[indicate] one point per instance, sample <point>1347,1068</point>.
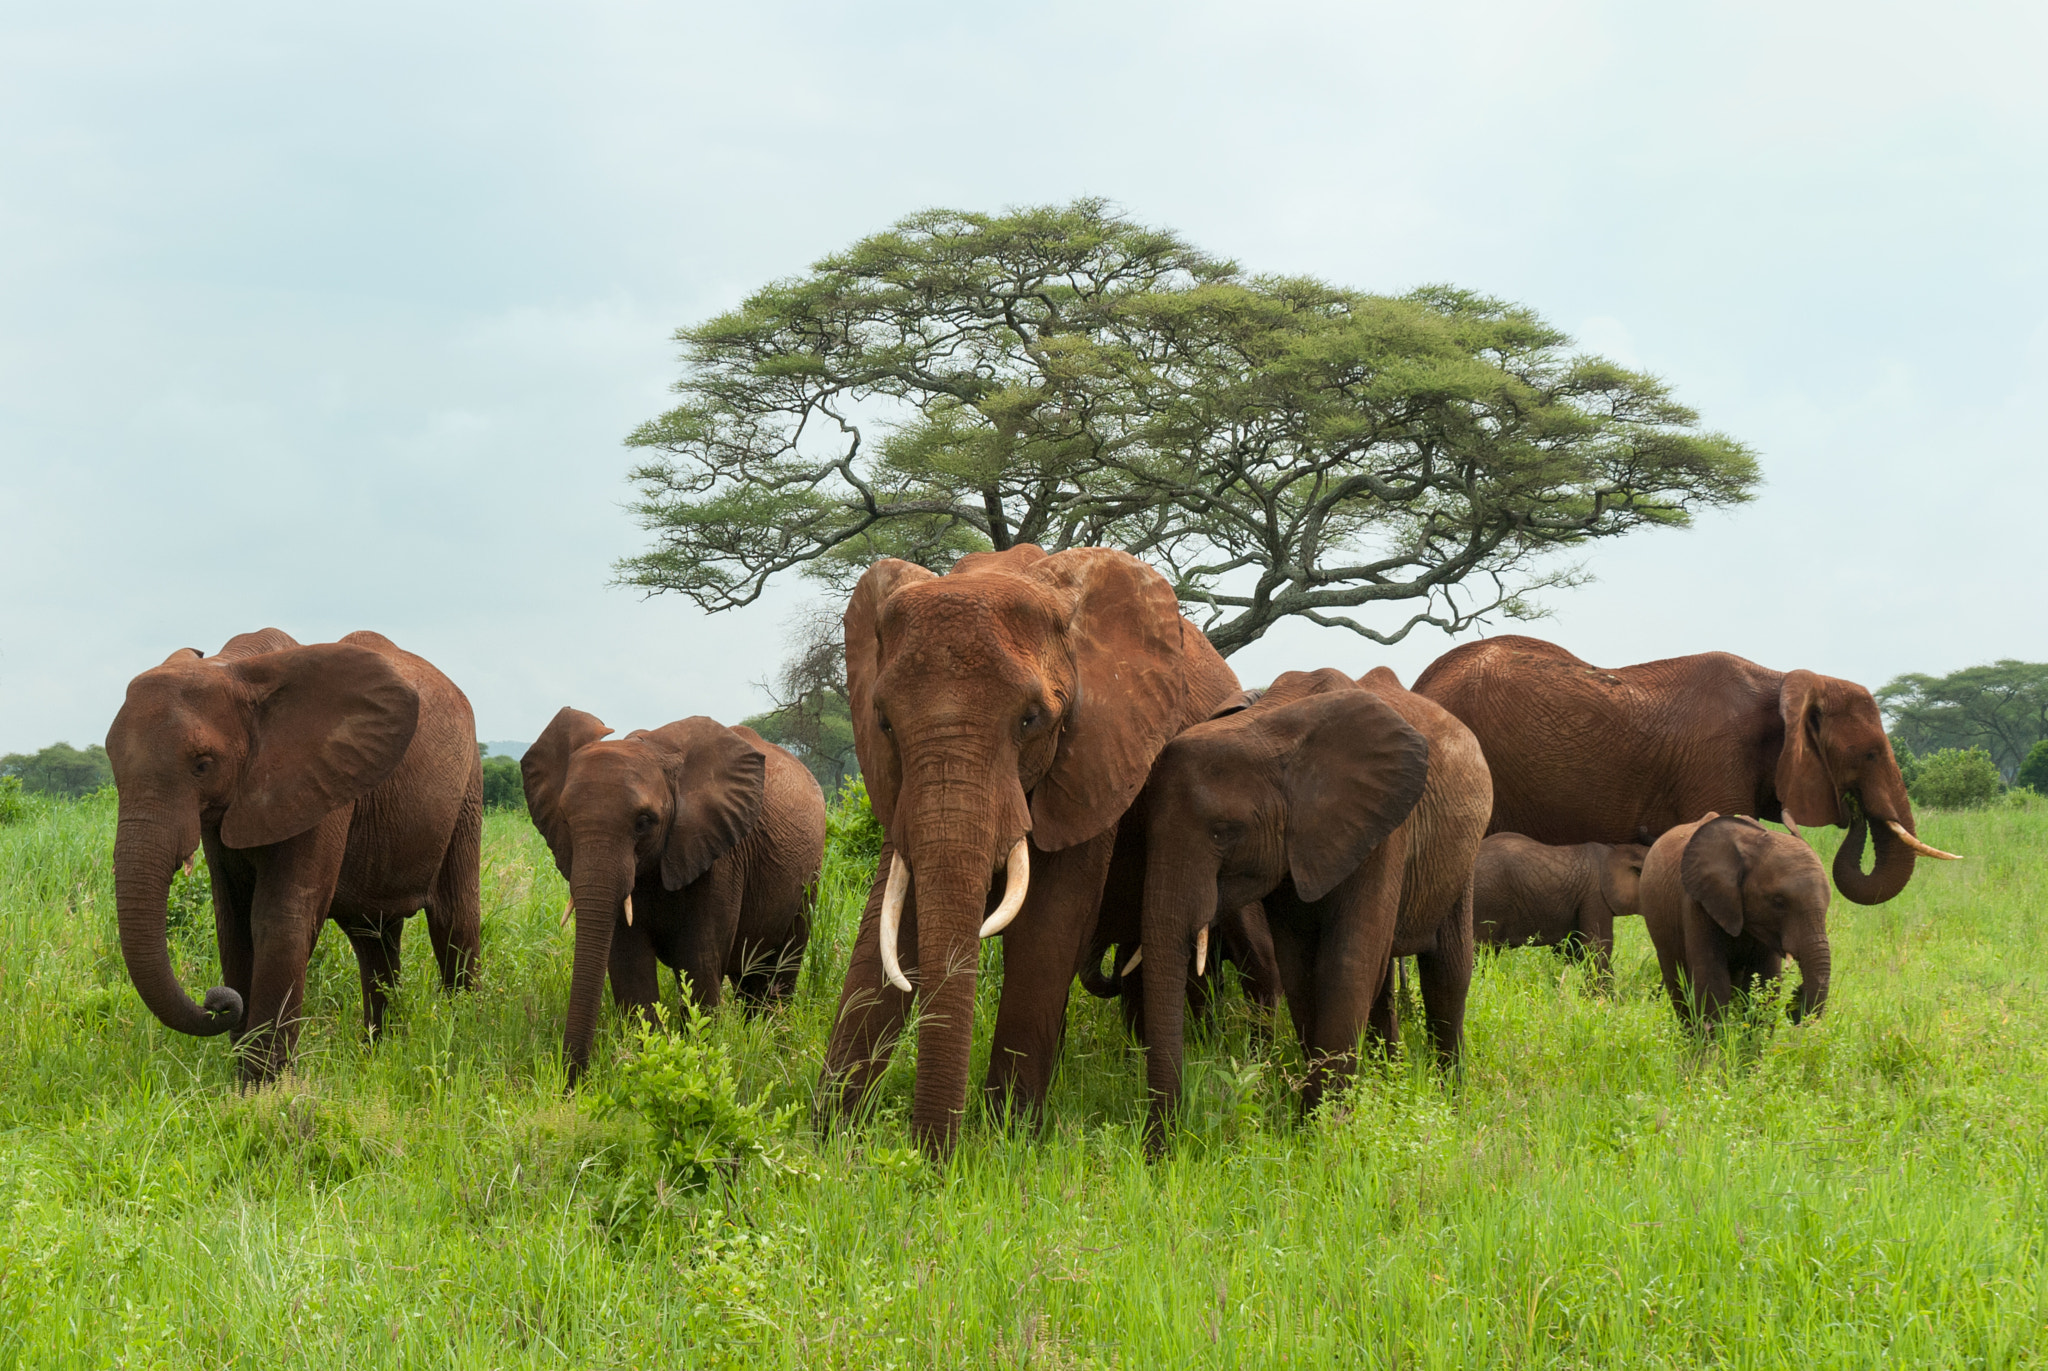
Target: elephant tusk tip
<point>1202,950</point>
<point>1922,848</point>
<point>629,911</point>
<point>568,913</point>
<point>1137,956</point>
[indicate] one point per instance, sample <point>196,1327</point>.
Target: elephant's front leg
<point>293,887</point>
<point>699,929</point>
<point>1042,951</point>
<point>871,1011</point>
<point>1353,968</point>
<point>1446,975</point>
<point>634,972</point>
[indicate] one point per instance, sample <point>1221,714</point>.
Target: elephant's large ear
<point>545,767</point>
<point>719,779</point>
<point>878,764</point>
<point>1711,871</point>
<point>331,724</point>
<point>1805,788</point>
<point>1125,631</point>
<point>1354,771</point>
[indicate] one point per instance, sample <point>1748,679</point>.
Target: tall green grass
<point>1598,1190</point>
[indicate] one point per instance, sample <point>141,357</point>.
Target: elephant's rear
<point>1449,820</point>
<point>783,853</point>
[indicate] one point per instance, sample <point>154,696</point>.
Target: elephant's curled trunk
<point>145,857</point>
<point>1888,874</point>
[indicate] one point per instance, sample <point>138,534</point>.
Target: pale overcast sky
<point>334,317</point>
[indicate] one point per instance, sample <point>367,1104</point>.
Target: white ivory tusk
<point>1137,955</point>
<point>568,911</point>
<point>1790,826</point>
<point>1922,848</point>
<point>1201,949</point>
<point>892,915</point>
<point>1017,881</point>
<point>629,909</point>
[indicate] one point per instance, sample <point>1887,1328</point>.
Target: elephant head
<point>261,742</point>
<point>1836,767</point>
<point>1769,886</point>
<point>1301,785</point>
<point>663,803</point>
<point>1019,694</point>
<point>1621,876</point>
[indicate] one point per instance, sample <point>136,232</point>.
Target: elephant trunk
<point>951,881</point>
<point>1815,964</point>
<point>602,884</point>
<point>148,848</point>
<point>1888,874</point>
<point>1180,897</point>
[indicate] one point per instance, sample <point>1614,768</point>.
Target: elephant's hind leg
<point>377,958</point>
<point>1446,975</point>
<point>455,908</point>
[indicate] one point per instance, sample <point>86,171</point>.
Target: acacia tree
<point>1064,376</point>
<point>2001,708</point>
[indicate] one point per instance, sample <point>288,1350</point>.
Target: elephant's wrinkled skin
<point>1526,893</point>
<point>1581,753</point>
<point>691,845</point>
<point>1726,900</point>
<point>339,780</point>
<point>1353,810</point>
<point>1019,694</point>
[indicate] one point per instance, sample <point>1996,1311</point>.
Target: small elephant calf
<point>1726,900</point>
<point>1526,893</point>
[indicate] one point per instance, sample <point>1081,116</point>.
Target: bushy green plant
<point>852,832</point>
<point>2033,772</point>
<point>13,806</point>
<point>503,788</point>
<point>1957,778</point>
<point>681,1084</point>
<point>1909,765</point>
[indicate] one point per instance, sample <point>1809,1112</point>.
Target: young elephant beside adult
<point>1526,893</point>
<point>1726,900</point>
<point>692,845</point>
<point>339,781</point>
<point>1353,810</point>
<point>1582,753</point>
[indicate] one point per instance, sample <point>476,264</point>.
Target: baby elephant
<point>1726,900</point>
<point>1528,893</point>
<point>691,844</point>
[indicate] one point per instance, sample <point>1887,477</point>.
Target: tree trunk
<point>147,850</point>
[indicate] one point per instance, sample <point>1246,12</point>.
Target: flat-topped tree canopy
<point>1068,377</point>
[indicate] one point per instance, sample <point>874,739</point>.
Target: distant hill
<point>503,749</point>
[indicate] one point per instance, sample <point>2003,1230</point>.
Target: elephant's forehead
<point>989,618</point>
<point>622,761</point>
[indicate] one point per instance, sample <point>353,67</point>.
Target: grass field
<point>1870,1189</point>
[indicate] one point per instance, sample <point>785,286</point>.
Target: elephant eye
<point>643,821</point>
<point>202,765</point>
<point>887,727</point>
<point>1032,718</point>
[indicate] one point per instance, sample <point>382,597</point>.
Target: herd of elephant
<point>1056,756</point>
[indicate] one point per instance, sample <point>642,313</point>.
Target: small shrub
<point>1954,778</point>
<point>13,805</point>
<point>2033,772</point>
<point>682,1086</point>
<point>1909,765</point>
<point>852,833</point>
<point>503,788</point>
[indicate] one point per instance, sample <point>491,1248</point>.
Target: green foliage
<point>2001,708</point>
<point>1595,1189</point>
<point>1064,376</point>
<point>1909,765</point>
<point>2033,772</point>
<point>13,807</point>
<point>853,835</point>
<point>682,1085</point>
<point>1956,778</point>
<point>818,729</point>
<point>60,770</point>
<point>503,788</point>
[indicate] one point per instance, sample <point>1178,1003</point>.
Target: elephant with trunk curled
<point>1006,715</point>
<point>337,781</point>
<point>1583,754</point>
<point>692,845</point>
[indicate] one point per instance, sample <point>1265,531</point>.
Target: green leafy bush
<point>1909,765</point>
<point>13,806</point>
<point>61,770</point>
<point>1957,778</point>
<point>2033,772</point>
<point>853,834</point>
<point>681,1084</point>
<point>503,788</point>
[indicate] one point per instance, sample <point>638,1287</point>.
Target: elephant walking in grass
<point>692,845</point>
<point>1526,893</point>
<point>1353,810</point>
<point>336,781</point>
<point>1581,753</point>
<point>1726,900</point>
<point>1005,715</point>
